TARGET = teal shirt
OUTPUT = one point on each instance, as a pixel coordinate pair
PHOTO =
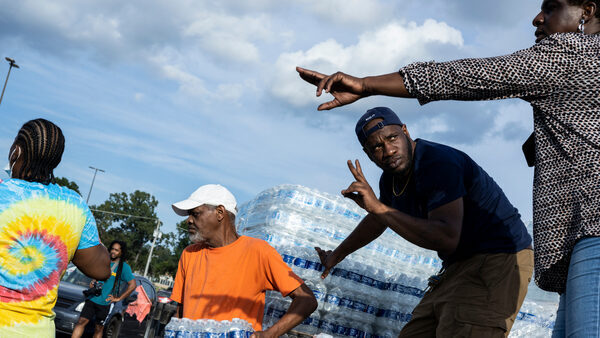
(126, 276)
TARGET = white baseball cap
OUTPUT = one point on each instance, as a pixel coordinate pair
(211, 194)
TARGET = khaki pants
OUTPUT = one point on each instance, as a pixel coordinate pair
(478, 297)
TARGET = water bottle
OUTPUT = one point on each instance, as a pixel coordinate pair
(198, 329)
(170, 329)
(342, 325)
(220, 330)
(184, 330)
(210, 329)
(332, 300)
(248, 329)
(319, 290)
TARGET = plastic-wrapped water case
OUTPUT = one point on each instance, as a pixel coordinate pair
(374, 290)
(208, 328)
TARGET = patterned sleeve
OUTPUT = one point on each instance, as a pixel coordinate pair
(529, 73)
(89, 235)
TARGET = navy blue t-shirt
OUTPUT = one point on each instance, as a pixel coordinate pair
(442, 174)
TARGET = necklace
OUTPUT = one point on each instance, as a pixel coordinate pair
(405, 185)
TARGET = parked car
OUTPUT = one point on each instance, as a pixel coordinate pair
(71, 299)
(164, 296)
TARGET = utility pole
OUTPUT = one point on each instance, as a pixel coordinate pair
(12, 64)
(156, 234)
(96, 170)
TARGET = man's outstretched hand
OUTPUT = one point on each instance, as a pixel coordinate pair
(344, 88)
(360, 191)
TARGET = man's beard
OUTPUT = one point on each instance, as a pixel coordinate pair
(196, 238)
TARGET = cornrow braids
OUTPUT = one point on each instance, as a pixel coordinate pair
(42, 143)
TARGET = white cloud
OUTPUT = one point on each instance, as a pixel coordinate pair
(230, 37)
(354, 12)
(377, 52)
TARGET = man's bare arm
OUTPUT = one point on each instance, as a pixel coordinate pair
(365, 232)
(94, 262)
(303, 304)
(130, 288)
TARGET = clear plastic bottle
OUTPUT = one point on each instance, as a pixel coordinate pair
(220, 330)
(171, 328)
(332, 300)
(197, 329)
(210, 330)
(185, 328)
(319, 290)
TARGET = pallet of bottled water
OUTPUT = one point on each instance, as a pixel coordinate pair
(207, 328)
(373, 291)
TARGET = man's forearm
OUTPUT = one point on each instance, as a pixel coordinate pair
(389, 85)
(303, 304)
(432, 233)
(365, 232)
(130, 288)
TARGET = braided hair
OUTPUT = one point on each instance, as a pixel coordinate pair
(42, 144)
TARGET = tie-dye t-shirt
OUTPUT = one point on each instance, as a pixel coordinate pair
(41, 226)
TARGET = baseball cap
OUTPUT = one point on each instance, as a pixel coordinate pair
(386, 114)
(211, 194)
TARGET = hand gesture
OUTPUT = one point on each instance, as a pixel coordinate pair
(327, 260)
(112, 299)
(360, 191)
(344, 88)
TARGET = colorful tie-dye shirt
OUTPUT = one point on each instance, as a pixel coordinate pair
(41, 226)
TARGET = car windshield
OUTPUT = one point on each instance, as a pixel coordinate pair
(73, 275)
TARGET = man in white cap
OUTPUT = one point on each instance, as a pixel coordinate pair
(223, 275)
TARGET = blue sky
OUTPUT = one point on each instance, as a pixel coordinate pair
(168, 96)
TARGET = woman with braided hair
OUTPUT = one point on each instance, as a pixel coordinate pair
(558, 76)
(43, 226)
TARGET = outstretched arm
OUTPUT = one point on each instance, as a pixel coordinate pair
(347, 88)
(303, 304)
(94, 262)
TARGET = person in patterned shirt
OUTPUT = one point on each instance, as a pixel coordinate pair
(43, 226)
(558, 77)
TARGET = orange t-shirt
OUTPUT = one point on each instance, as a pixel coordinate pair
(230, 281)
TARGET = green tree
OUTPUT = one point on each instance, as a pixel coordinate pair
(130, 218)
(63, 181)
(181, 238)
(166, 255)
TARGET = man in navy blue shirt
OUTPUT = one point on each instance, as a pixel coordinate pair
(438, 198)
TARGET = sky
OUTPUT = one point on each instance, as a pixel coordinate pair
(166, 96)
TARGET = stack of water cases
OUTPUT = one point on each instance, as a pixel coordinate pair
(373, 291)
(207, 328)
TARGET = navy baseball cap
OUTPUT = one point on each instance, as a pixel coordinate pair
(386, 114)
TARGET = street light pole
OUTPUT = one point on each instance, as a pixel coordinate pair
(96, 170)
(12, 64)
(156, 234)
